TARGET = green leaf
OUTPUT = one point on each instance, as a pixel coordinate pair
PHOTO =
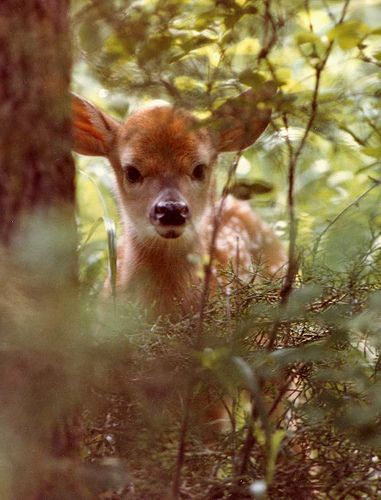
(251, 78)
(348, 35)
(306, 37)
(275, 444)
(90, 37)
(211, 358)
(283, 75)
(110, 231)
(90, 233)
(375, 152)
(196, 42)
(244, 190)
(187, 83)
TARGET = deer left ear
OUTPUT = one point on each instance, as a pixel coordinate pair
(240, 121)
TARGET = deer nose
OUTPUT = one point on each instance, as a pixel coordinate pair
(170, 212)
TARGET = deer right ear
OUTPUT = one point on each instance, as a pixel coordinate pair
(93, 131)
(240, 121)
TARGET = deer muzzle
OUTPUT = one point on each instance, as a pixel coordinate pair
(169, 215)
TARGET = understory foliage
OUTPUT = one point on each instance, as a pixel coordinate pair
(319, 433)
(296, 362)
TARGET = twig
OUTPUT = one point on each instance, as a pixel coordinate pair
(268, 41)
(182, 440)
(212, 249)
(358, 139)
(293, 162)
(307, 8)
(282, 392)
(376, 183)
(292, 251)
(199, 329)
(330, 15)
(258, 408)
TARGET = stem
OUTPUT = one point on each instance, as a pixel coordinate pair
(293, 162)
(199, 329)
(375, 184)
(258, 408)
(294, 156)
(182, 441)
(212, 248)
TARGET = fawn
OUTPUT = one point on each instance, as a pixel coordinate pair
(163, 159)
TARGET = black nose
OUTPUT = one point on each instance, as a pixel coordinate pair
(171, 213)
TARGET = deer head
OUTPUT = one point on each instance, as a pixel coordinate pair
(163, 158)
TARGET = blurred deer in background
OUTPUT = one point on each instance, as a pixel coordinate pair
(163, 159)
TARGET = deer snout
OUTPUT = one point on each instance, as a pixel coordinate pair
(171, 213)
(169, 217)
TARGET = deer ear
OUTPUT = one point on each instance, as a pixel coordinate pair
(240, 121)
(93, 131)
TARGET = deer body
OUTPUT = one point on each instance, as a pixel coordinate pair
(163, 161)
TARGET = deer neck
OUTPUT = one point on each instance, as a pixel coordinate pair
(163, 275)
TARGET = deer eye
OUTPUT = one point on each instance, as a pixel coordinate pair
(133, 175)
(198, 173)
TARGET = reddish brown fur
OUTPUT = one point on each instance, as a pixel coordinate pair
(171, 133)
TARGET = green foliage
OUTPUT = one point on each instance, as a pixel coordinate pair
(306, 413)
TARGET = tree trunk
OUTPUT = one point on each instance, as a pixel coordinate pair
(36, 167)
(38, 302)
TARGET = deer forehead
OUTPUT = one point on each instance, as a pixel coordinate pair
(159, 137)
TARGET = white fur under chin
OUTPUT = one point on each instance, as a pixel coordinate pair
(149, 238)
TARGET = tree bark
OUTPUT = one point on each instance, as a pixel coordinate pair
(36, 167)
(38, 301)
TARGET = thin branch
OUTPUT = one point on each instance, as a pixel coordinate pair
(268, 41)
(373, 126)
(212, 249)
(376, 183)
(307, 8)
(182, 441)
(329, 12)
(199, 329)
(354, 136)
(293, 162)
(258, 408)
